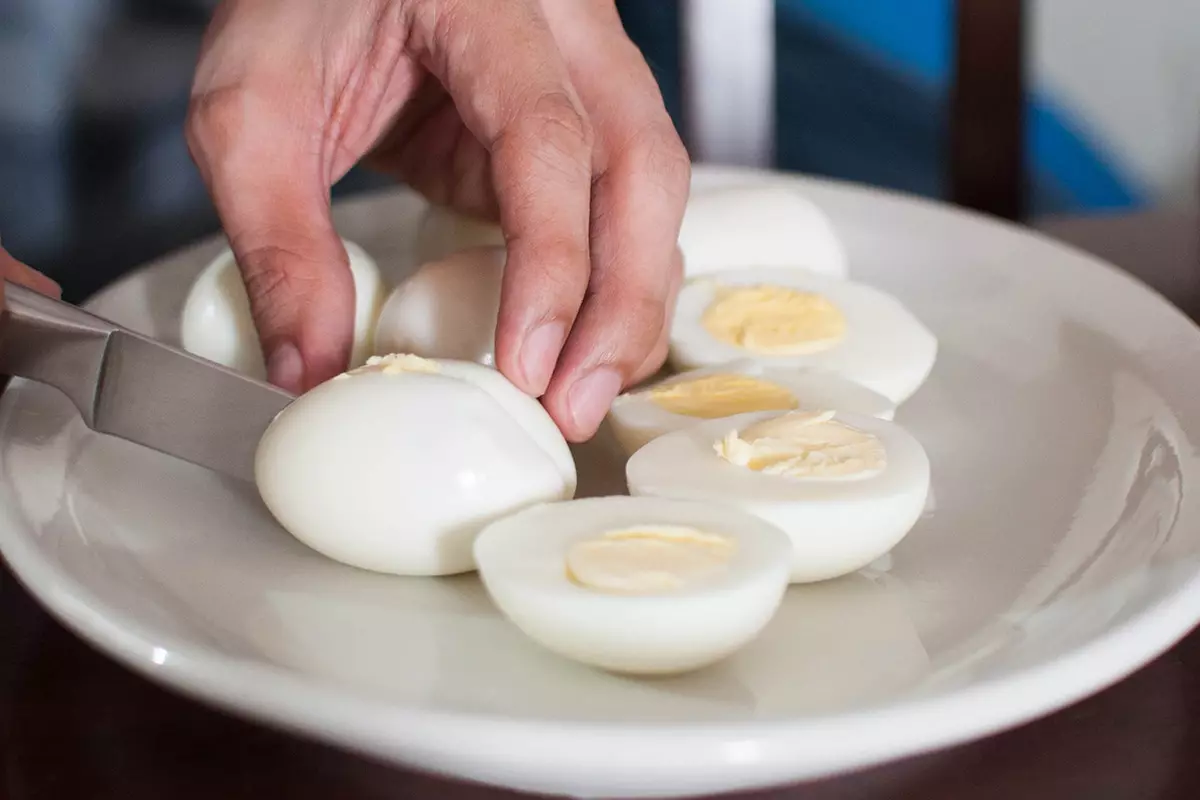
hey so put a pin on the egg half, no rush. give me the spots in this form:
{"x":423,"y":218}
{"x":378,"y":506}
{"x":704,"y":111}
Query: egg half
{"x":443,"y":231}
{"x":756,"y":226}
{"x":789,"y":318}
{"x":845,"y":487}
{"x":447,"y":308}
{"x":396,"y":466}
{"x":738,"y":387}
{"x":217,"y":324}
{"x":636,"y":585}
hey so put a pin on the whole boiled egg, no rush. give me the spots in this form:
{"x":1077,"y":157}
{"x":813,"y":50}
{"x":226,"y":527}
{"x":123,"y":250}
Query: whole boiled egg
{"x":397,"y":465}
{"x":636,"y":585}
{"x":447,"y":308}
{"x":216,"y":315}
{"x":756,"y":226}
{"x":845,"y":487}
{"x":443,"y":231}
{"x":789,"y":318}
{"x":738,"y":387}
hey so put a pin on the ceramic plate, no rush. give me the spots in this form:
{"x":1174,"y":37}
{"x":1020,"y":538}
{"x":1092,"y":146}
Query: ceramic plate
{"x":1060,"y":550}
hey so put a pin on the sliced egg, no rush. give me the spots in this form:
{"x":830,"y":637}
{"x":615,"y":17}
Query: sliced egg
{"x":396,"y":466}
{"x":636,"y":585}
{"x":754,"y":226}
{"x":788,"y":318}
{"x":216,"y":315}
{"x":738,"y":387}
{"x":845,"y":487}
{"x":446,"y":309}
{"x":443,"y":231}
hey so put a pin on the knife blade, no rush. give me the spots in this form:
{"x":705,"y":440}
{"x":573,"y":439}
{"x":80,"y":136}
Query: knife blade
{"x":136,"y":388}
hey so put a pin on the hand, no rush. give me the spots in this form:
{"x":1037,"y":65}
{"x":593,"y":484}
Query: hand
{"x":16,"y":272}
{"x":542,"y":115}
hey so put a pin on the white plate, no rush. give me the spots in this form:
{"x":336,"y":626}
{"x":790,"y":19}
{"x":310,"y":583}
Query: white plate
{"x":1060,"y":552}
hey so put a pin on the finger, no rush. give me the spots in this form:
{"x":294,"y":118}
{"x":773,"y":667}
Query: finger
{"x":658,"y":354}
{"x":13,"y":270}
{"x":499,"y":62}
{"x":270,"y":190}
{"x":638,"y":202}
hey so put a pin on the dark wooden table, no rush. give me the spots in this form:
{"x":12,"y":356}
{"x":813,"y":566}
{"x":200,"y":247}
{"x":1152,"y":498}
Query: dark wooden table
{"x":75,"y":725}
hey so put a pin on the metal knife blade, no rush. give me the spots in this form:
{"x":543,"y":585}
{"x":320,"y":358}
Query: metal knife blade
{"x":133,"y":387}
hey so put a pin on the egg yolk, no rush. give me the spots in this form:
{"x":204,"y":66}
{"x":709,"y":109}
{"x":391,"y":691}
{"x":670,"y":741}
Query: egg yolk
{"x":715,"y":396}
{"x":395,"y":364}
{"x":648,"y":559}
{"x":774,"y":320}
{"x":804,"y":445}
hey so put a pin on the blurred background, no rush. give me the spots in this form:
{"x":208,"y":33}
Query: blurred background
{"x":95,"y":177}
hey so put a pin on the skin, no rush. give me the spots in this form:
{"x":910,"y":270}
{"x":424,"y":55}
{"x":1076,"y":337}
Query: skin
{"x":539,"y":114}
{"x":15,"y":272}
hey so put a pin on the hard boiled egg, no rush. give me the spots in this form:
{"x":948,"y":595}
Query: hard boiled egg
{"x":443,"y":231}
{"x":447,"y":308}
{"x":635,"y":585}
{"x":395,"y":466}
{"x":738,"y":387}
{"x":789,"y":318}
{"x":762,"y":225}
{"x":845,"y":487}
{"x":216,"y":315}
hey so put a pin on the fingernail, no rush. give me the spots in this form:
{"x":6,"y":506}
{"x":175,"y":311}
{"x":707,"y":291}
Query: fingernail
{"x":591,"y":397}
{"x":285,"y":367}
{"x":539,"y":354}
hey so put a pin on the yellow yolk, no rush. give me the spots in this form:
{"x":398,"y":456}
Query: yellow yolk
{"x":774,"y":320}
{"x":648,"y":559}
{"x":395,"y":364}
{"x":716,"y":396}
{"x":804,"y":445}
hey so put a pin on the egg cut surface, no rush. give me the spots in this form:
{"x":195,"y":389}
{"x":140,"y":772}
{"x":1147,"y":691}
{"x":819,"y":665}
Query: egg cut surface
{"x":636,"y":585}
{"x":396,"y":466}
{"x":217,"y":324}
{"x":758,"y":226}
{"x":443,"y":231}
{"x":727,"y":390}
{"x":787,"y":318}
{"x":845,"y":487}
{"x":447,"y":308}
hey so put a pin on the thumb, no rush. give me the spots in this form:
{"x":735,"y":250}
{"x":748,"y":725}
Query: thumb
{"x":276,"y":213}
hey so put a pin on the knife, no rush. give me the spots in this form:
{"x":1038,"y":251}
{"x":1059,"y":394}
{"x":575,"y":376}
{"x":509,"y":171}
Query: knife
{"x":135,"y":388}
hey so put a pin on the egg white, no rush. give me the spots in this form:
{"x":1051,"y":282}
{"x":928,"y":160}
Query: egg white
{"x":837,"y":525}
{"x":217,"y":324}
{"x":522,"y":562}
{"x":885,"y":347}
{"x":447,"y":308}
{"x":443,"y":231}
{"x":397,"y":473}
{"x":755,"y":226}
{"x":635,"y":419}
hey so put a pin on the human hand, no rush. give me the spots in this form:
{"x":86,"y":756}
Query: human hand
{"x":542,"y":115}
{"x":15,"y":272}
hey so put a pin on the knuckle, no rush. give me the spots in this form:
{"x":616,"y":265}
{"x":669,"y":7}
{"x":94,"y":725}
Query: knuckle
{"x":553,"y":131}
{"x":658,"y":153}
{"x":216,"y":120}
{"x":278,"y":281}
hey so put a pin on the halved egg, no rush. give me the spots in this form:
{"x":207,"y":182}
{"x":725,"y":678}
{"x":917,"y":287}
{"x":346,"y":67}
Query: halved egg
{"x":789,"y":318}
{"x":738,"y":387}
{"x":216,"y":315}
{"x":446,"y":309}
{"x":636,"y":585}
{"x":756,"y":226}
{"x":845,"y":487}
{"x":396,"y":466}
{"x":443,"y":231}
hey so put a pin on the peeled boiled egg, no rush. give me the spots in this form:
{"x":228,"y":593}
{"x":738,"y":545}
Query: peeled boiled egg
{"x":216,"y":315}
{"x":636,"y":585}
{"x":754,"y":226}
{"x":845,"y":487}
{"x":789,"y":318}
{"x":738,"y":387}
{"x":397,"y":465}
{"x":447,"y":308}
{"x":443,"y":231}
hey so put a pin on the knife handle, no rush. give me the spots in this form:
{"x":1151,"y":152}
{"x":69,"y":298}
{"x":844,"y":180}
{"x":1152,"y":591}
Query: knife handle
{"x":54,"y":343}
